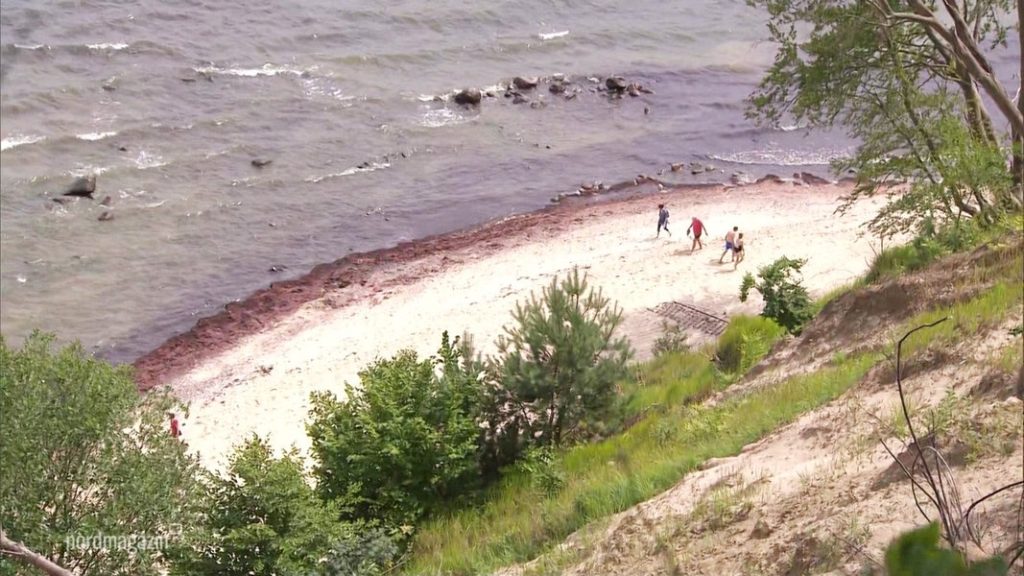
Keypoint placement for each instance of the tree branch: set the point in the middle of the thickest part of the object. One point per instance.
(23, 553)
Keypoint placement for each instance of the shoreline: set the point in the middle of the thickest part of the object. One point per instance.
(343, 316)
(260, 310)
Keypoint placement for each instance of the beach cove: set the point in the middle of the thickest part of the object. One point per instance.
(316, 333)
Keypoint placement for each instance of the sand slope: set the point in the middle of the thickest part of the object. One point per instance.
(262, 383)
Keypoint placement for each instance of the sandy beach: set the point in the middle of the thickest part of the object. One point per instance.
(344, 316)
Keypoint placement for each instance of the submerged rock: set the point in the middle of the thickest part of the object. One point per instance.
(106, 216)
(83, 187)
(525, 82)
(616, 83)
(260, 162)
(468, 97)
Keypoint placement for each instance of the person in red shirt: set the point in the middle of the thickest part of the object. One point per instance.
(175, 426)
(698, 230)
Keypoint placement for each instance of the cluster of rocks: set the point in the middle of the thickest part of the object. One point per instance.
(519, 90)
(85, 187)
(694, 167)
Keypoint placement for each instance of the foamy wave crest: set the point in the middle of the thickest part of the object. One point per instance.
(441, 117)
(93, 136)
(553, 35)
(322, 88)
(146, 160)
(19, 140)
(107, 46)
(31, 46)
(265, 70)
(782, 157)
(350, 171)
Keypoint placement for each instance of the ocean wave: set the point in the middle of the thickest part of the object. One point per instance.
(373, 166)
(107, 46)
(441, 117)
(31, 46)
(316, 87)
(776, 157)
(93, 136)
(19, 140)
(265, 70)
(145, 160)
(553, 35)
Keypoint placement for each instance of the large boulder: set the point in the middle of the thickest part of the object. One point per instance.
(525, 82)
(83, 187)
(616, 83)
(468, 97)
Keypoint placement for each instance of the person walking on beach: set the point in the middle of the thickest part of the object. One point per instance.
(730, 244)
(737, 252)
(698, 230)
(663, 220)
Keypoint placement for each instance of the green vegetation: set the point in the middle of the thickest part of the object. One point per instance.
(911, 82)
(404, 442)
(517, 521)
(263, 518)
(746, 340)
(85, 455)
(917, 553)
(558, 363)
(785, 299)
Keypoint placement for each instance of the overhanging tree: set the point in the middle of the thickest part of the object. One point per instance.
(909, 80)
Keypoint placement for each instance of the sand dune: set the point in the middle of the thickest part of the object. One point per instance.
(262, 383)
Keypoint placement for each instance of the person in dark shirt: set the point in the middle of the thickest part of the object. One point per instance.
(663, 220)
(698, 230)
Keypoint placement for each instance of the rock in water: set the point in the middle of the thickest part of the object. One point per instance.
(616, 83)
(468, 97)
(556, 88)
(83, 187)
(260, 163)
(105, 217)
(106, 201)
(525, 82)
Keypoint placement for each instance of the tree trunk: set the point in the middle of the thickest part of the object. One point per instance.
(1018, 135)
(21, 552)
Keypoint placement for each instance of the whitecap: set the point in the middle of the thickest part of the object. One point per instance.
(93, 136)
(146, 160)
(553, 35)
(19, 140)
(441, 117)
(350, 171)
(22, 279)
(107, 46)
(31, 46)
(266, 70)
(155, 204)
(778, 157)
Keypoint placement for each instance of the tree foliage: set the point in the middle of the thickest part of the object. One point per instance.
(906, 79)
(785, 299)
(261, 518)
(402, 443)
(558, 363)
(91, 478)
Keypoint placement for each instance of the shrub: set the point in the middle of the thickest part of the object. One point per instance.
(745, 342)
(917, 553)
(559, 362)
(785, 299)
(263, 518)
(672, 339)
(86, 457)
(403, 442)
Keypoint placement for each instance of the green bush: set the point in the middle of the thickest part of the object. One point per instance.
(86, 460)
(785, 299)
(559, 363)
(746, 340)
(263, 518)
(404, 442)
(917, 553)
